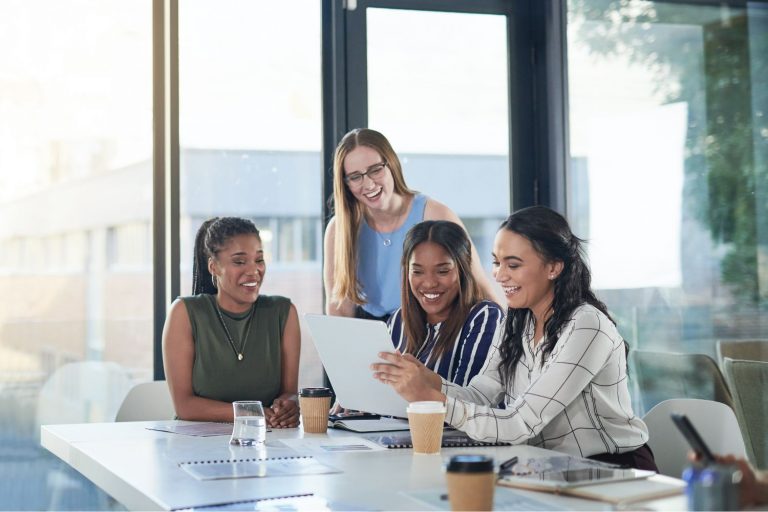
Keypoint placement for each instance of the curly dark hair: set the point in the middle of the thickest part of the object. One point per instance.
(552, 239)
(214, 234)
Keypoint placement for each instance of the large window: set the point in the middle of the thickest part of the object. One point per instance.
(250, 134)
(443, 103)
(75, 243)
(669, 171)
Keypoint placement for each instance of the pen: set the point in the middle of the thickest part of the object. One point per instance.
(508, 463)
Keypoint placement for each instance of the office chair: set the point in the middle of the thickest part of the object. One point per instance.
(745, 350)
(664, 375)
(715, 421)
(147, 401)
(749, 385)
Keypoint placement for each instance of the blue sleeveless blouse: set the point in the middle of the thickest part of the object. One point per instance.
(378, 265)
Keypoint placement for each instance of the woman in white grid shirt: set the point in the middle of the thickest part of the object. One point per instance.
(559, 364)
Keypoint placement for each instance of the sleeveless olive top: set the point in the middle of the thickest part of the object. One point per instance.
(216, 372)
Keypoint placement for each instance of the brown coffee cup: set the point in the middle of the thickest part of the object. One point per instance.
(471, 482)
(314, 404)
(425, 421)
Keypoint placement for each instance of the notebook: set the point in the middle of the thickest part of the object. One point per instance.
(347, 348)
(258, 468)
(369, 425)
(451, 439)
(625, 492)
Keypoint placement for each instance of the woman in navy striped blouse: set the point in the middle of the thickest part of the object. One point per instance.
(444, 320)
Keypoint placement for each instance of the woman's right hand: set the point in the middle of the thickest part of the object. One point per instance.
(408, 376)
(752, 491)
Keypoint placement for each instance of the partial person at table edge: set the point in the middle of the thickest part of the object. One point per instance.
(227, 341)
(373, 209)
(559, 363)
(753, 488)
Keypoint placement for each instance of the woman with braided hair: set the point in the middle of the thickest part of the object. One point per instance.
(559, 364)
(228, 342)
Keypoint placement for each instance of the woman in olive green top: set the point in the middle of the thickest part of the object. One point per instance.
(227, 342)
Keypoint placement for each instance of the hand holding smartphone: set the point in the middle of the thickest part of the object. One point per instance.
(692, 436)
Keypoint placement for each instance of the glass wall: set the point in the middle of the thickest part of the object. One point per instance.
(75, 236)
(250, 130)
(668, 173)
(439, 91)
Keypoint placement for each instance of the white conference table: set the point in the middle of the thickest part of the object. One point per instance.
(140, 469)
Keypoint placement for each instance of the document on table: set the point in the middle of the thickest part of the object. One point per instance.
(503, 499)
(276, 504)
(318, 445)
(202, 429)
(255, 468)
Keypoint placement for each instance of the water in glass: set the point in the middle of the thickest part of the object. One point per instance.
(249, 431)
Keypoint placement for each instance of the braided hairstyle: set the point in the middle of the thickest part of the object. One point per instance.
(212, 236)
(552, 239)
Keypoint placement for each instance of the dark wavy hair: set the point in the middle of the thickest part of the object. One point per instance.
(212, 236)
(455, 241)
(552, 239)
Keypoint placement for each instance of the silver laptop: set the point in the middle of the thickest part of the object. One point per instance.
(347, 348)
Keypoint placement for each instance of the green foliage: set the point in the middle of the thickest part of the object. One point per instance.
(726, 181)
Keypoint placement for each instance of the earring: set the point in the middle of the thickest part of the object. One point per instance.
(551, 276)
(213, 280)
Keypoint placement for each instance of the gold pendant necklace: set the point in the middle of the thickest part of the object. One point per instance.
(238, 353)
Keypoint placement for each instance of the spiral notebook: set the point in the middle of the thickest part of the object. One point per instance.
(451, 439)
(255, 468)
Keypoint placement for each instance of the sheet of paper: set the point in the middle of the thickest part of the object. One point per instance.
(318, 445)
(255, 468)
(503, 499)
(278, 503)
(202, 429)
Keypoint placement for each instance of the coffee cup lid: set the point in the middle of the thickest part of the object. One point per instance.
(470, 464)
(426, 407)
(315, 392)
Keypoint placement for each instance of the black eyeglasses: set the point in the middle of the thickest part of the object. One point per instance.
(355, 179)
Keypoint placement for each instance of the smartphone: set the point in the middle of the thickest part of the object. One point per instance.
(685, 426)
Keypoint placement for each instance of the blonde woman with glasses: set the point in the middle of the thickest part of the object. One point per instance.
(373, 210)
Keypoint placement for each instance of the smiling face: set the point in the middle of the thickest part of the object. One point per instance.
(434, 280)
(239, 269)
(526, 278)
(375, 193)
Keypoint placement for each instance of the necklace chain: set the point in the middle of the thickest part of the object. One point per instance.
(387, 241)
(238, 354)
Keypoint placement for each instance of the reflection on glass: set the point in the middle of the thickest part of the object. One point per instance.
(75, 244)
(250, 131)
(438, 89)
(668, 167)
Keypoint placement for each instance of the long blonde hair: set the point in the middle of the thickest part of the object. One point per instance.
(349, 211)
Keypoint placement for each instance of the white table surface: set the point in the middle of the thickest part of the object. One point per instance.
(140, 468)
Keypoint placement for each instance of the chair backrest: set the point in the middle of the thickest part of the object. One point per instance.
(664, 375)
(746, 350)
(147, 401)
(715, 421)
(83, 392)
(749, 384)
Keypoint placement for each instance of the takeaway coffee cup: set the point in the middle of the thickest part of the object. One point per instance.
(471, 482)
(425, 420)
(314, 404)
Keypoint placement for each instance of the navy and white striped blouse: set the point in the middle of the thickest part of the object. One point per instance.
(466, 357)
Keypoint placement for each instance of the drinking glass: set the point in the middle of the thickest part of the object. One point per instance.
(250, 427)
